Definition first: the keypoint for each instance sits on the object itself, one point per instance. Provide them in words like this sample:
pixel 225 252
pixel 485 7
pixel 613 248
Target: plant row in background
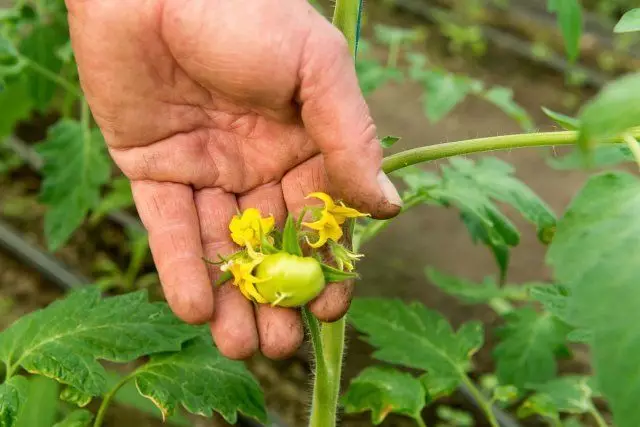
pixel 592 251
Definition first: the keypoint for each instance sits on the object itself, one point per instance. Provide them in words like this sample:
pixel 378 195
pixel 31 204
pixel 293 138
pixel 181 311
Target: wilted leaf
pixel 77 418
pixel 75 168
pixel 384 391
pixel 65 340
pixel 595 254
pixel 76 397
pixel 13 396
pixel 528 343
pixel 629 22
pixel 614 110
pixel 413 336
pixel 201 380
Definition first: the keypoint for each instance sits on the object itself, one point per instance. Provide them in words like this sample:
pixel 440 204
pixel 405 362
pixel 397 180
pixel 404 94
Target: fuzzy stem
pixel 478 145
pixel 102 411
pixel 346 18
pixel 482 401
pixel 420 422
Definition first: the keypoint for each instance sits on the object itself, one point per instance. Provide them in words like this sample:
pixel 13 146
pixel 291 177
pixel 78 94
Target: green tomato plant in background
pixel 55 353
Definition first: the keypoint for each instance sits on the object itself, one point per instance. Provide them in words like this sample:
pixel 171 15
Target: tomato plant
pixel 593 250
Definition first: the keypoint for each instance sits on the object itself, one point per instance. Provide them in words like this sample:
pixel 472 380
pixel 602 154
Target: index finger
pixel 168 212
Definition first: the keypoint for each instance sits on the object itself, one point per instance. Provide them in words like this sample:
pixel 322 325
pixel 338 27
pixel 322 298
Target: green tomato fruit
pixel 290 280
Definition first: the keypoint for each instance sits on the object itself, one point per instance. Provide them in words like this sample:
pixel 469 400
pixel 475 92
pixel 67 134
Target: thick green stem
pixel 420 422
pixel 470 146
pixel 346 18
pixel 106 401
pixel 481 400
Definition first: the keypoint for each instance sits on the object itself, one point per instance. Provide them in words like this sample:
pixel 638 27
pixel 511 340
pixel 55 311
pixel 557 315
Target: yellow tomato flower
pixel 339 211
pixel 241 268
pixel 248 229
pixel 327 228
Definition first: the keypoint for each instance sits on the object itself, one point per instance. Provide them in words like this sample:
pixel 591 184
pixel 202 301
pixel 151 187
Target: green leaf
pixel 42 393
pixel 388 141
pixel 569 15
pixel 602 156
pixel 384 391
pixel 595 254
pixel 15 105
pixel 332 274
pixel 77 418
pixel 75 168
pixel 437 385
pixel 443 91
pixel 413 336
pixel 527 347
pixel 40 47
pixel 502 98
pixel 119 197
pixel 201 380
pixel 65 340
pixel 128 395
pixel 290 241
pixel 473 188
pixel 629 22
pixel 568 123
pixel 76 397
pixel 13 396
pixel 465 290
pixel 455 417
pixel 568 394
pixel 613 111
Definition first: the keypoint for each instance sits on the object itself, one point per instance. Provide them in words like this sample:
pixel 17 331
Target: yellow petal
pixel 341 213
pixel 322 239
pixel 249 289
pixel 328 201
pixel 317 225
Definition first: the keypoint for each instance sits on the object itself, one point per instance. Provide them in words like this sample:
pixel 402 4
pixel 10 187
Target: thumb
pixel 337 118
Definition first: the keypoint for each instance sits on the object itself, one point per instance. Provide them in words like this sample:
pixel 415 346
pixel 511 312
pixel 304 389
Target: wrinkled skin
pixel 211 106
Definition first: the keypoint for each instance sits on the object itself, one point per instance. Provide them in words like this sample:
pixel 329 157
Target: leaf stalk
pixel 106 401
pixel 481 400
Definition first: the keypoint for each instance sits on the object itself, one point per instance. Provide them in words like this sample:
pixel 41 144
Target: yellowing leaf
pixel 384 391
pixel 75 168
pixel 13 396
pixel 569 394
pixel 201 380
pixel 65 340
pixel 413 336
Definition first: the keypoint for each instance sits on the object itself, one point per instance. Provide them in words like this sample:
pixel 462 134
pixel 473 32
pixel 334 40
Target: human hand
pixel 209 107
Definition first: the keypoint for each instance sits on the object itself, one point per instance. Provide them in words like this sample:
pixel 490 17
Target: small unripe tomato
pixel 291 281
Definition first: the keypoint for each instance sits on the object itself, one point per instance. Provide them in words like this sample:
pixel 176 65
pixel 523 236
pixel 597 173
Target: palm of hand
pixel 206 117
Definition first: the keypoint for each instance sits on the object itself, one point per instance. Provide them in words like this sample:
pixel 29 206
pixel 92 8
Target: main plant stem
pixel 478 145
pixel 328 338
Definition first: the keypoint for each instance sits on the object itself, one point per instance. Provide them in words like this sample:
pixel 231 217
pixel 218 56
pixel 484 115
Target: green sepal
pixel 290 242
pixel 224 277
pixel 332 274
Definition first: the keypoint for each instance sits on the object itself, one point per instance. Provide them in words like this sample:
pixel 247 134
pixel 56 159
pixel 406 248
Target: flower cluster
pixel 270 267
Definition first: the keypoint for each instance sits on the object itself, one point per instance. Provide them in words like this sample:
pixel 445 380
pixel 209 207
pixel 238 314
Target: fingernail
pixel 388 189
